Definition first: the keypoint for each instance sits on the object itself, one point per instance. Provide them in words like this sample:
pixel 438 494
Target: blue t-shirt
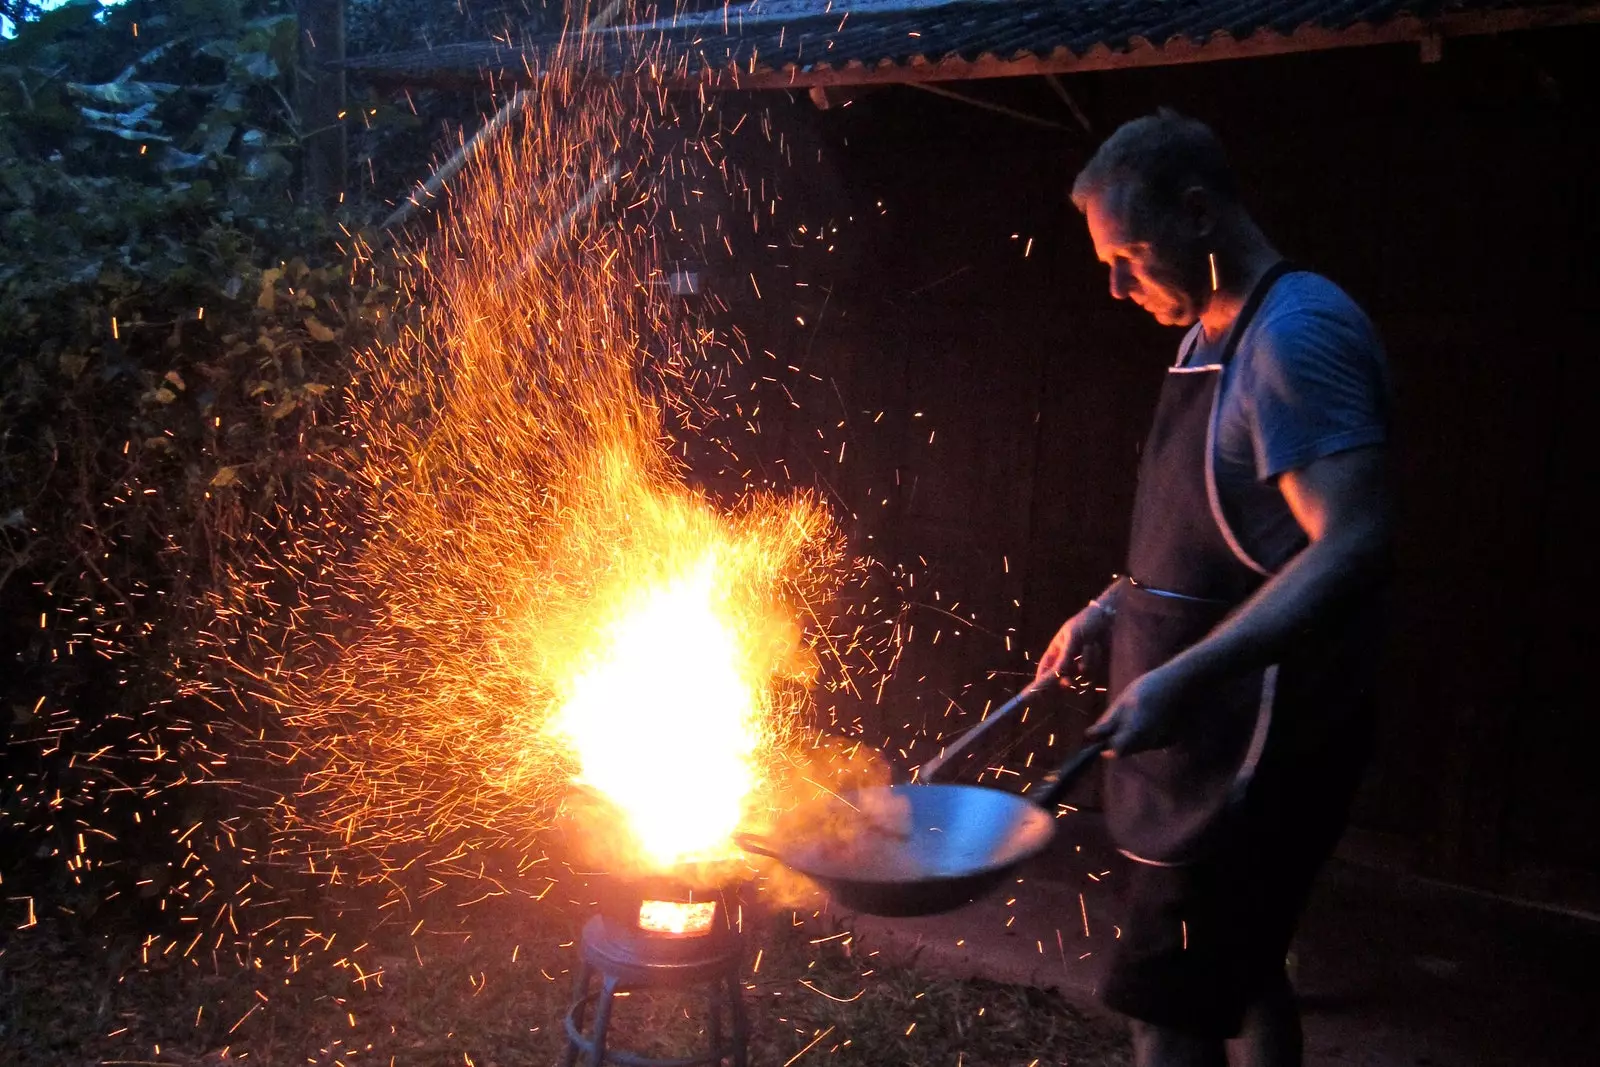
pixel 1309 380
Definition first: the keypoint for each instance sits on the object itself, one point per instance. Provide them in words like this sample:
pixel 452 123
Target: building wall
pixel 1454 200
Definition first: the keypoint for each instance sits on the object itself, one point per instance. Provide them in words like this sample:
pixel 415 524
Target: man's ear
pixel 1199 210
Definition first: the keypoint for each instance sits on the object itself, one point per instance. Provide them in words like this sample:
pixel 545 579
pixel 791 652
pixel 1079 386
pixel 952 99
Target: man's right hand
pixel 1078 649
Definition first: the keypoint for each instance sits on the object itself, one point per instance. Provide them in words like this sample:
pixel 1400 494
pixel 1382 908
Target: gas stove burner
pixel 661 933
pixel 666 910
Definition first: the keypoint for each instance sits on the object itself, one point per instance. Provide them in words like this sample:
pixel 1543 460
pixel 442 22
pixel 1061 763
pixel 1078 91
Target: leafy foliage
pixel 173 337
pixel 175 327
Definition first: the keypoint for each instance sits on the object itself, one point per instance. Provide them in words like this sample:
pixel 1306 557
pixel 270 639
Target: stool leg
pixel 602 1019
pixel 741 1033
pixel 714 1024
pixel 580 995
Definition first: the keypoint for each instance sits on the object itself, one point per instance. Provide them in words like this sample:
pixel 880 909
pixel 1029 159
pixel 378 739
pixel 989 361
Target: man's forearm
pixel 1261 629
pixel 1107 598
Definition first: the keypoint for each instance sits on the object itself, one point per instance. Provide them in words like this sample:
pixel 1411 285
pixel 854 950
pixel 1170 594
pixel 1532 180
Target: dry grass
pixel 490 990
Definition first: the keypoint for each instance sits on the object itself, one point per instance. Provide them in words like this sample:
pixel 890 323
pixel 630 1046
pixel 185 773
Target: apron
pixel 1186 571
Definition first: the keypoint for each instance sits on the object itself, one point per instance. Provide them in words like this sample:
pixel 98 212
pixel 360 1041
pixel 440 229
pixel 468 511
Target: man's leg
pixel 1270 1036
pixel 1162 1046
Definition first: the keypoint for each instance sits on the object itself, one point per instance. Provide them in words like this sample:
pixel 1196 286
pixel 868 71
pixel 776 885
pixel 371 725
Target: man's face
pixel 1156 268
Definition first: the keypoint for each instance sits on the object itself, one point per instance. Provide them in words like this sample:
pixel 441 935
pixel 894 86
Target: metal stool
pixel 624 960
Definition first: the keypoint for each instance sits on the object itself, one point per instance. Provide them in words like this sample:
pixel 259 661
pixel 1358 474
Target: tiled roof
pixel 801 42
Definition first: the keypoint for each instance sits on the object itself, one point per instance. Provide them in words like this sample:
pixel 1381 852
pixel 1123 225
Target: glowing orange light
pixel 665 717
pixel 537 596
pixel 677 917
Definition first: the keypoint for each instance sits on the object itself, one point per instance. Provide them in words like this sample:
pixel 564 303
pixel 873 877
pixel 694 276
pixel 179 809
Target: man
pixel 1240 642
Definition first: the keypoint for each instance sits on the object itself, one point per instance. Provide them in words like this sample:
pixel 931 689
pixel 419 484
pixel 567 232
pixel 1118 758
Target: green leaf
pixel 125 94
pixel 219 48
pixel 317 330
pixel 215 138
pixel 266 166
pixel 254 66
pixel 172 160
pixel 269 296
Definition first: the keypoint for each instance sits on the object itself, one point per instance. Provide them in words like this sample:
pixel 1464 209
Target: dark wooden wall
pixel 1455 201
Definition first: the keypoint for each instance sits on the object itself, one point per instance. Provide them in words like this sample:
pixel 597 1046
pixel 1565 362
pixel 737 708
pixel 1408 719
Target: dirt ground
pixel 488 989
pixel 1391 971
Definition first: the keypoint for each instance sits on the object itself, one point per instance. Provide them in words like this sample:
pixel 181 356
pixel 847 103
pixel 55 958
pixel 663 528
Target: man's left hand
pixel 1144 715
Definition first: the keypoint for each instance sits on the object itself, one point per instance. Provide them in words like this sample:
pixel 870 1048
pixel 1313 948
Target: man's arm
pixel 1342 502
pixel 1078 648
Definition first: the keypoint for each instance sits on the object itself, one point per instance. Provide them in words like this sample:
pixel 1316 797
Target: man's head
pixel 1159 196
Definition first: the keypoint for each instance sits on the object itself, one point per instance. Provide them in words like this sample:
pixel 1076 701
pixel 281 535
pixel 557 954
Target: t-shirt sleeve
pixel 1318 386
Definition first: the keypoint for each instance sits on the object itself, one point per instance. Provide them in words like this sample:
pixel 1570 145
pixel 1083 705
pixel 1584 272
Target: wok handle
pixel 757 844
pixel 1067 774
pixel 933 766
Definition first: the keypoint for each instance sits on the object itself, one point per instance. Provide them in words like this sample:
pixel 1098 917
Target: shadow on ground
pixel 1392 971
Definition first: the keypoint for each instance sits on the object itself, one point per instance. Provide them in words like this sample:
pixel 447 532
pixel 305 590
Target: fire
pixel 671 674
pixel 677 917
pixel 517 591
pixel 666 716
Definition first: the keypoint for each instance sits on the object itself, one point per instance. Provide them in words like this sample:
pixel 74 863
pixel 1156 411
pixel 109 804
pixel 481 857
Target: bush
pixel 173 339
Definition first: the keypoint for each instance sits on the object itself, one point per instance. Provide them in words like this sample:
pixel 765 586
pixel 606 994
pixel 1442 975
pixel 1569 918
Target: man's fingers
pixel 1091 658
pixel 1116 728
pixel 1049 665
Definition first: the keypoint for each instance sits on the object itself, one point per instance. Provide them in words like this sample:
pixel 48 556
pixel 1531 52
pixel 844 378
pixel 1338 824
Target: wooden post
pixel 320 99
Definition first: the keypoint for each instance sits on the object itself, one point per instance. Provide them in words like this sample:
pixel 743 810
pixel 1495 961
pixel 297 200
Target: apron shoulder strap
pixel 1252 304
pixel 1186 347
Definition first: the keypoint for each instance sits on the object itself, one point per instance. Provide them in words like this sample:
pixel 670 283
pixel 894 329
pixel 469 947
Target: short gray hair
pixel 1152 160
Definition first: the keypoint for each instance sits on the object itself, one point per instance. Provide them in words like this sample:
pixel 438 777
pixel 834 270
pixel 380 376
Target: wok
pixel 949 844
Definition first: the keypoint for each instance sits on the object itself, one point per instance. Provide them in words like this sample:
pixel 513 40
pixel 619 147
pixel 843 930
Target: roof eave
pixel 1404 29
pixel 1426 33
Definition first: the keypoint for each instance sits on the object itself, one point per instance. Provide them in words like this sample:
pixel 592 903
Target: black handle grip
pixel 1068 773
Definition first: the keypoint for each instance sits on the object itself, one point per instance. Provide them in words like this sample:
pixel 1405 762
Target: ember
pixel 677 917
pixel 543 597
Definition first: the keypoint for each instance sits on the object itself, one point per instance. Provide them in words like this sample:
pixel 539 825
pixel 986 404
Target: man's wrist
pixel 1106 602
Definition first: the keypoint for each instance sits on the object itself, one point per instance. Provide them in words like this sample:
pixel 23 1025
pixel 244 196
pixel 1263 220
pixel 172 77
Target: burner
pixel 660 933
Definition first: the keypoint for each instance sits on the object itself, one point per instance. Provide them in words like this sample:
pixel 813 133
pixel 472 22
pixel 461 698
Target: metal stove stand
pixel 622 959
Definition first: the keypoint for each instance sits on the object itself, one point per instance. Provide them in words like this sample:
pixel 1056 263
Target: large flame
pixel 671 672
pixel 665 718
pixel 540 596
